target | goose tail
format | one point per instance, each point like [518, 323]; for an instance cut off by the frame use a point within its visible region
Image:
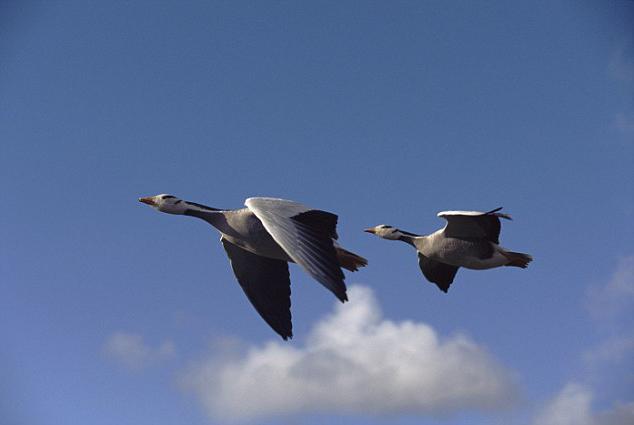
[349, 260]
[517, 259]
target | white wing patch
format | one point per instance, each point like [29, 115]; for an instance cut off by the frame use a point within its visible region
[495, 212]
[469, 213]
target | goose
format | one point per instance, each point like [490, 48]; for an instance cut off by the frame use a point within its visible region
[470, 239]
[261, 239]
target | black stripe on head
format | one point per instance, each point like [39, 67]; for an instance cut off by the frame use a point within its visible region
[167, 197]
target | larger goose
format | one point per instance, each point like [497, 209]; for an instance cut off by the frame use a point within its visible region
[262, 238]
[470, 240]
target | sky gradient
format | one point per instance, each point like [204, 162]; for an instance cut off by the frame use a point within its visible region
[379, 112]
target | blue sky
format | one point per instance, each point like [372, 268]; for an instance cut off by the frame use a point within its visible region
[380, 112]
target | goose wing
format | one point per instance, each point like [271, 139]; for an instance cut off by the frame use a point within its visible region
[436, 272]
[267, 284]
[474, 224]
[306, 235]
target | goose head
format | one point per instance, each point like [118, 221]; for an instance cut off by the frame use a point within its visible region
[386, 232]
[169, 204]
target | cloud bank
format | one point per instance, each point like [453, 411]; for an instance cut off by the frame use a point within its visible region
[572, 406]
[354, 362]
[617, 295]
[132, 351]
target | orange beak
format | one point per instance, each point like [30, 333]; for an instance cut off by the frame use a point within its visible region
[370, 230]
[149, 200]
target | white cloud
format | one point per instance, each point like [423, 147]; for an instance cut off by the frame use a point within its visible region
[622, 283]
[619, 414]
[132, 351]
[617, 294]
[573, 406]
[570, 407]
[610, 351]
[607, 360]
[354, 361]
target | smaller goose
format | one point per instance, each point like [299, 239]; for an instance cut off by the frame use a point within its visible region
[470, 240]
[261, 239]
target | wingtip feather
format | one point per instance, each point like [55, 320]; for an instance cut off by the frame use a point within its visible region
[499, 214]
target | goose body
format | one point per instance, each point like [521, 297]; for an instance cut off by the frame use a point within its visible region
[470, 240]
[477, 254]
[261, 239]
[243, 228]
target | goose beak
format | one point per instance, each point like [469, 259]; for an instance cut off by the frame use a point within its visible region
[148, 200]
[370, 230]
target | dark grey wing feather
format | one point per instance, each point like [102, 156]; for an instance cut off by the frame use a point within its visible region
[474, 224]
[436, 272]
[266, 283]
[306, 235]
[316, 231]
[322, 221]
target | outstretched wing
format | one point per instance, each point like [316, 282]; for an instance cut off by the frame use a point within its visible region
[306, 235]
[474, 224]
[436, 272]
[266, 283]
